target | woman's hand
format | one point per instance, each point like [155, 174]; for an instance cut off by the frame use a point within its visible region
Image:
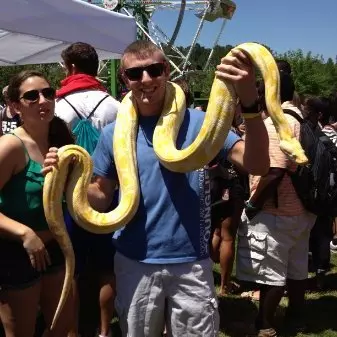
[50, 161]
[36, 250]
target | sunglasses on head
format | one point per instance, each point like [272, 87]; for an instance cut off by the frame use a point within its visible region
[34, 95]
[136, 73]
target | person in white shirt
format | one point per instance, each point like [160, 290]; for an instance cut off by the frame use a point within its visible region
[82, 96]
[83, 90]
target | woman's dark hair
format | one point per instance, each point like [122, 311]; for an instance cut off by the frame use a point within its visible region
[312, 109]
[15, 82]
[59, 134]
[284, 66]
[287, 87]
[325, 111]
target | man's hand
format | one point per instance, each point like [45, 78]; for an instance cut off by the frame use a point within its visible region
[239, 70]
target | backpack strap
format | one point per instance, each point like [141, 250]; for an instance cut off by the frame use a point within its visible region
[92, 112]
[77, 113]
[294, 114]
[97, 105]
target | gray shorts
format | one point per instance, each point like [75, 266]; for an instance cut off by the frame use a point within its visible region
[273, 248]
[180, 296]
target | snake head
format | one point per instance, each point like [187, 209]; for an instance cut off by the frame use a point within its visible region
[293, 149]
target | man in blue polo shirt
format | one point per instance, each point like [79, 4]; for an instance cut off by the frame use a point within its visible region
[162, 262]
[162, 265]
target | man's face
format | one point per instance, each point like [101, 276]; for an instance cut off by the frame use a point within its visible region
[147, 84]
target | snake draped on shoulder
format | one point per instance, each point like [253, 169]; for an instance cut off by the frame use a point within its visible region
[210, 140]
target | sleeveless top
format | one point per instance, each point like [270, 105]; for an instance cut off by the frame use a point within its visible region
[21, 197]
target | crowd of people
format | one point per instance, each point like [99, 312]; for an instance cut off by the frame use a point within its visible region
[156, 272]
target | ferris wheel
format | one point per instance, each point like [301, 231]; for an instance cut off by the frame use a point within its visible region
[144, 11]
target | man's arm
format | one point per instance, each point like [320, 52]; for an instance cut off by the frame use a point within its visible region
[101, 192]
[252, 156]
[267, 187]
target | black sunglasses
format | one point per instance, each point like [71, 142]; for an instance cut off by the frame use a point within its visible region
[136, 73]
[34, 95]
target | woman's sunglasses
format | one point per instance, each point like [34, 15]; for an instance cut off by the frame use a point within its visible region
[136, 73]
[34, 95]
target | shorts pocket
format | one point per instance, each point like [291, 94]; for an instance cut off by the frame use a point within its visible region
[251, 252]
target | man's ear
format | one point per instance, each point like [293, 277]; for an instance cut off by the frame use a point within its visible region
[125, 80]
[72, 70]
[167, 68]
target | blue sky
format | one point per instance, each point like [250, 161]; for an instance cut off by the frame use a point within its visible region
[283, 25]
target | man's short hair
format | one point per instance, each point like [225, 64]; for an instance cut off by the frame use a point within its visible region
[287, 87]
[313, 105]
[283, 66]
[142, 49]
[83, 56]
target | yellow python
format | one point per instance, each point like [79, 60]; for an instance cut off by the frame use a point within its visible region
[216, 125]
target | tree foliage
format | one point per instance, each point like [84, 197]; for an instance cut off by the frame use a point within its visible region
[312, 74]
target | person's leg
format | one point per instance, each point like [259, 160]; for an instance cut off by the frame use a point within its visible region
[270, 297]
[226, 255]
[49, 301]
[106, 301]
[140, 297]
[102, 260]
[89, 312]
[215, 243]
[263, 249]
[229, 228]
[192, 308]
[16, 319]
[296, 294]
[298, 271]
[320, 238]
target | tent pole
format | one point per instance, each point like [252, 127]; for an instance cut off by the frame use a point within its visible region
[113, 78]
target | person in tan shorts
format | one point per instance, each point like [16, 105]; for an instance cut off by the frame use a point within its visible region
[273, 239]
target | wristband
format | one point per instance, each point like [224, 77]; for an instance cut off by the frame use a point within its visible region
[251, 115]
[252, 111]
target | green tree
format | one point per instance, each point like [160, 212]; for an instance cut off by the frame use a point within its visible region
[53, 72]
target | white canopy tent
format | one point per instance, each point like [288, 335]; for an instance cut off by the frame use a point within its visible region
[36, 31]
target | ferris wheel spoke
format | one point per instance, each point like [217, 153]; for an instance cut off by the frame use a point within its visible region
[178, 25]
[196, 36]
[215, 44]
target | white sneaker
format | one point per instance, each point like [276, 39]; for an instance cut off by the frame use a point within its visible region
[109, 334]
[333, 245]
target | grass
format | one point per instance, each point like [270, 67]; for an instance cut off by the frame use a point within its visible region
[237, 314]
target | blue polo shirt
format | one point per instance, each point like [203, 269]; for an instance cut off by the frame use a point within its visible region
[173, 221]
